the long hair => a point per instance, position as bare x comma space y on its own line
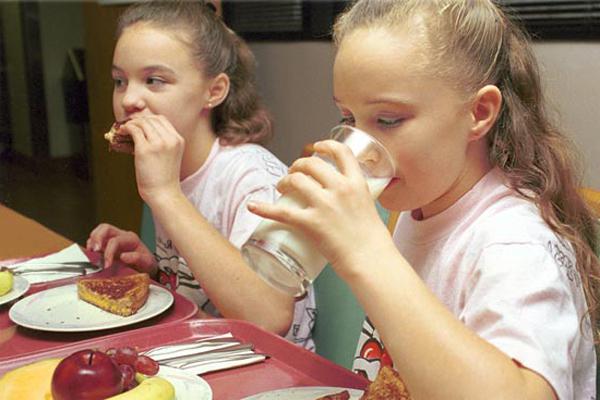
473, 43
241, 117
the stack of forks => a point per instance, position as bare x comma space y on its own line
214, 353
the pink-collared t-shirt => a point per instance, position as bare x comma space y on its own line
494, 263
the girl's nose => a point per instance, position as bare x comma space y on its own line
132, 101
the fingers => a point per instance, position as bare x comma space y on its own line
126, 241
341, 156
153, 132
141, 261
101, 234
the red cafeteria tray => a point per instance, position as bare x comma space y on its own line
18, 341
288, 365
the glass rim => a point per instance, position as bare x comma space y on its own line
334, 131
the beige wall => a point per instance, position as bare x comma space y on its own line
295, 79
571, 73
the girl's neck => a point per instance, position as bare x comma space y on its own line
197, 150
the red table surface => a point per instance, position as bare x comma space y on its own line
287, 366
18, 341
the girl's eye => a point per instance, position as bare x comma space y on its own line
118, 82
347, 120
389, 122
154, 81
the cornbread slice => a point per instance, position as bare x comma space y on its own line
121, 295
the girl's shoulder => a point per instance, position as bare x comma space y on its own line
248, 158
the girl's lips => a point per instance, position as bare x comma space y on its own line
392, 182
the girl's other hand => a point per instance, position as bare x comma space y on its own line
338, 211
158, 154
124, 245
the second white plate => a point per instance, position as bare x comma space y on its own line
304, 393
60, 310
187, 385
20, 286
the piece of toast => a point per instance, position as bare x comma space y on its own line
121, 295
387, 385
117, 142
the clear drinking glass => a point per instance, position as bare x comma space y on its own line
281, 254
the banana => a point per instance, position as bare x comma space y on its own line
6, 282
152, 388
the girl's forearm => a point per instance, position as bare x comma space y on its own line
430, 345
233, 287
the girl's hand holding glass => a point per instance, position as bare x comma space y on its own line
326, 211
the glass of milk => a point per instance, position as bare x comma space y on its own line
281, 254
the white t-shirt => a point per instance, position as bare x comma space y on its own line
230, 178
494, 263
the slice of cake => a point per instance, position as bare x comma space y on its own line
387, 385
121, 295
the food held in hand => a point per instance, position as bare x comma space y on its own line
119, 142
122, 295
86, 375
6, 281
387, 385
31, 381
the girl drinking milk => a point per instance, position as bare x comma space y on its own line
488, 287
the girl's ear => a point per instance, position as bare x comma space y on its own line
218, 90
485, 109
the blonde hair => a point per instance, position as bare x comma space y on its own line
241, 117
473, 43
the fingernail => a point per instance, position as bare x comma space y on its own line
97, 247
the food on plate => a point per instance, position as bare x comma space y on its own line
387, 385
86, 375
154, 388
343, 395
121, 295
119, 142
6, 281
18, 384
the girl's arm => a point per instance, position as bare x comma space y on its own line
234, 288
436, 355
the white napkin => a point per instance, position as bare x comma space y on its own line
71, 253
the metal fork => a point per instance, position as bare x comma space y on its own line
80, 267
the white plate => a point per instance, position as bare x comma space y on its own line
60, 310
20, 286
187, 385
304, 393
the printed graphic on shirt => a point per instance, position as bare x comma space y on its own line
564, 259
371, 353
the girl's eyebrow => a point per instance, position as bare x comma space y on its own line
158, 68
149, 69
383, 100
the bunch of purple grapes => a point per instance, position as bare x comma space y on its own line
130, 361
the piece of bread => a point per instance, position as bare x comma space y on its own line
121, 295
343, 395
387, 385
117, 142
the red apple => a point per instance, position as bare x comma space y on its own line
86, 375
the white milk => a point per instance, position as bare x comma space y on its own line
294, 243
